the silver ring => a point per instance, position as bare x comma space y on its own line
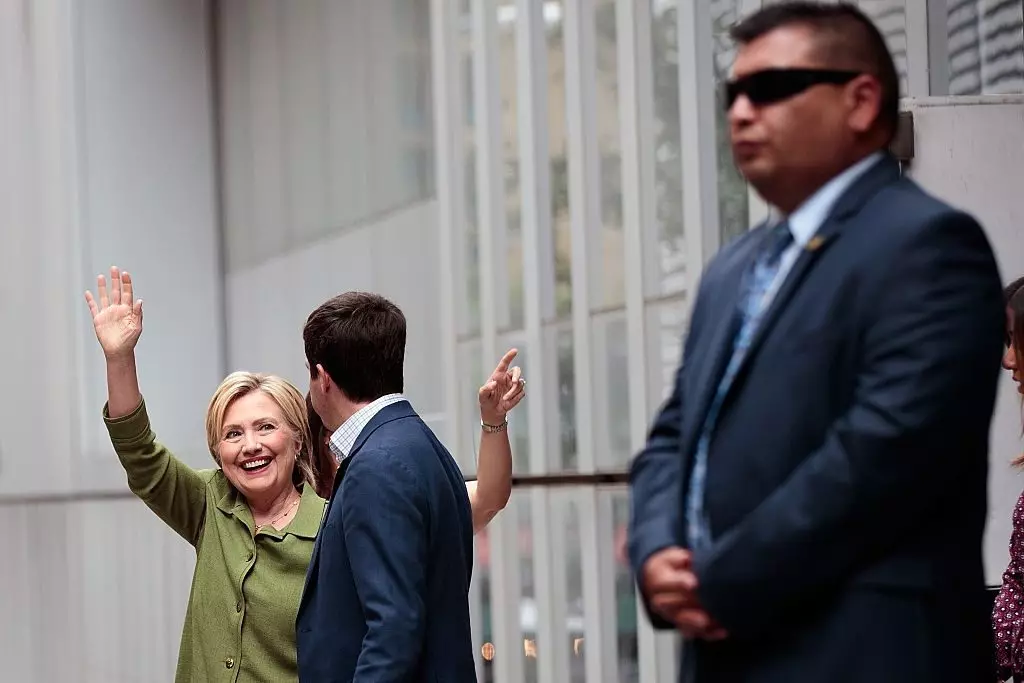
522, 382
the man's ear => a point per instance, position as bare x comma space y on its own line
324, 379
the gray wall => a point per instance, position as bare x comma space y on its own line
106, 144
956, 160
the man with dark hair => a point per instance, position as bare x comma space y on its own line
811, 501
395, 550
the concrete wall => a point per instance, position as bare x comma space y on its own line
106, 146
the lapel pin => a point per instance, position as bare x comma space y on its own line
815, 243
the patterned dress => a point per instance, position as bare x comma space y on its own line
1008, 613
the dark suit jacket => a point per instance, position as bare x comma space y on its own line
387, 592
846, 482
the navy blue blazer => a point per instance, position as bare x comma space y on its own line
387, 591
846, 482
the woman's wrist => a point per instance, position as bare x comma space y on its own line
494, 421
121, 358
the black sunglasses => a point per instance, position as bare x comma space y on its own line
774, 85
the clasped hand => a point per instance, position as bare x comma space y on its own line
670, 586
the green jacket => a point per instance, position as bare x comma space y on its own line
240, 622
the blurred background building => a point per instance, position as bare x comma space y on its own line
545, 174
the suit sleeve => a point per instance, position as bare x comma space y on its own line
918, 420
384, 514
656, 496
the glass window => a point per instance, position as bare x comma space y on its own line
668, 173
469, 310
566, 508
985, 46
528, 589
733, 206
625, 588
609, 289
890, 18
519, 421
666, 327
558, 145
508, 74
611, 391
471, 376
566, 374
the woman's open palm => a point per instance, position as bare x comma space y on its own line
117, 319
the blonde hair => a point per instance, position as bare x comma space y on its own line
280, 391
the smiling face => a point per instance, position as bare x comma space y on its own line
257, 447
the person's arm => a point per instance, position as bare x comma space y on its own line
918, 420
655, 493
169, 487
1008, 610
656, 519
173, 490
502, 392
489, 494
385, 529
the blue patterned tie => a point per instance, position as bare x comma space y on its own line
758, 280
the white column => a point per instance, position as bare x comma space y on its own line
490, 192
697, 125
916, 23
547, 514
448, 151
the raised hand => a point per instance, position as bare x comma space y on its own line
502, 391
117, 319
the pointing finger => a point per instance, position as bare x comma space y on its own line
506, 361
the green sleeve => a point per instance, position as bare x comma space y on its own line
171, 489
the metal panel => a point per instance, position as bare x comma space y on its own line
637, 117
447, 121
636, 106
938, 45
968, 154
535, 202
917, 25
535, 198
697, 119
585, 221
490, 191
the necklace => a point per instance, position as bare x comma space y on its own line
261, 527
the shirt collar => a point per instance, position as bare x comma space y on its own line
305, 523
344, 438
810, 215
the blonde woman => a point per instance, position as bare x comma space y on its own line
252, 519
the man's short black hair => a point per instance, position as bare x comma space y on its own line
848, 40
359, 339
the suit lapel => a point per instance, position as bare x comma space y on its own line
848, 204
721, 340
387, 414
